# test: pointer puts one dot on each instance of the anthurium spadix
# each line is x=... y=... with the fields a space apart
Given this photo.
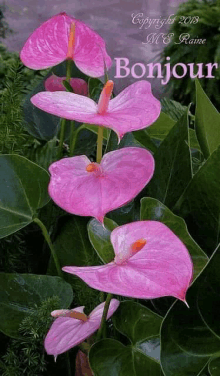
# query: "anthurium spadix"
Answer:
x=134 y=108
x=91 y=189
x=150 y=262
x=72 y=327
x=63 y=37
x=55 y=83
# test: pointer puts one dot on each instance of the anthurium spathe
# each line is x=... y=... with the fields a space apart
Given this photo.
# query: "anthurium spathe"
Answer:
x=55 y=83
x=134 y=108
x=91 y=189
x=68 y=331
x=150 y=262
x=63 y=37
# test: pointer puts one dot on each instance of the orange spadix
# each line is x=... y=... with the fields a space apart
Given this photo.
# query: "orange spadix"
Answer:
x=92 y=167
x=105 y=97
x=78 y=315
x=138 y=245
x=71 y=42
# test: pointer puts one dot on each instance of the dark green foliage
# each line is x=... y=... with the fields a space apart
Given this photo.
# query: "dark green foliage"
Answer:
x=206 y=28
x=27 y=356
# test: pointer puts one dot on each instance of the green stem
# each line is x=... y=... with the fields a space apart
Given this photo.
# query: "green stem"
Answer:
x=48 y=240
x=73 y=135
x=63 y=121
x=62 y=134
x=68 y=70
x=104 y=316
x=99 y=145
x=73 y=138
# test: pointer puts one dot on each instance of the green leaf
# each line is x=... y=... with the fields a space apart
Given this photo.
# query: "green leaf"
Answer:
x=136 y=322
x=173 y=109
x=23 y=190
x=38 y=123
x=111 y=358
x=190 y=337
x=214 y=367
x=154 y=210
x=142 y=327
x=173 y=165
x=95 y=88
x=20 y=294
x=73 y=248
x=200 y=204
x=207 y=122
x=99 y=237
x=67 y=86
x=160 y=129
x=45 y=154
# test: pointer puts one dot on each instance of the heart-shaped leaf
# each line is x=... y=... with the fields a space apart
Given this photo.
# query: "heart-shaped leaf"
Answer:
x=23 y=190
x=136 y=322
x=214 y=367
x=207 y=122
x=152 y=209
x=110 y=357
x=200 y=204
x=173 y=165
x=190 y=337
x=20 y=294
x=99 y=237
x=73 y=248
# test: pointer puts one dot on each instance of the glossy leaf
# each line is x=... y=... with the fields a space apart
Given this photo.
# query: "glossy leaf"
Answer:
x=190 y=337
x=200 y=204
x=207 y=122
x=173 y=109
x=152 y=209
x=21 y=294
x=23 y=190
x=136 y=322
x=73 y=248
x=38 y=123
x=173 y=165
x=110 y=357
x=99 y=237
x=214 y=367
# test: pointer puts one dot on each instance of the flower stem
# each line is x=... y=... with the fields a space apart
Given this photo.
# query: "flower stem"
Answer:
x=48 y=240
x=73 y=136
x=68 y=70
x=62 y=134
x=104 y=316
x=99 y=145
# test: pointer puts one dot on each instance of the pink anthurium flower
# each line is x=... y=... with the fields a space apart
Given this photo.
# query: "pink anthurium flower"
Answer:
x=134 y=108
x=63 y=37
x=55 y=83
x=150 y=262
x=91 y=189
x=68 y=331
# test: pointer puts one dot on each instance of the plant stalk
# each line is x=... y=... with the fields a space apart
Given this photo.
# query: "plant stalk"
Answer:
x=99 y=144
x=48 y=240
x=104 y=316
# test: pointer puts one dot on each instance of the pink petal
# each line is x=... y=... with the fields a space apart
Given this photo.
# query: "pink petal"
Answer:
x=67 y=332
x=163 y=267
x=48 y=44
x=55 y=83
x=134 y=108
x=121 y=175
